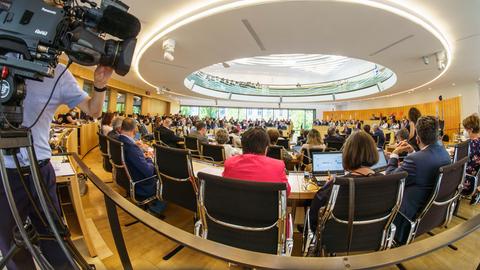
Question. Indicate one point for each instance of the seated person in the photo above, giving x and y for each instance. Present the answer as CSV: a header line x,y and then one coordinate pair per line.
x,y
116,127
237,143
167,135
422,168
302,139
378,133
107,123
221,136
358,156
471,125
332,136
140,165
314,140
142,128
70,118
253,164
200,132
346,130
273,135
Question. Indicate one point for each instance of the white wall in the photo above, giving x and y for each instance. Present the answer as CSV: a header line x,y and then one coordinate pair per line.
x,y
469,92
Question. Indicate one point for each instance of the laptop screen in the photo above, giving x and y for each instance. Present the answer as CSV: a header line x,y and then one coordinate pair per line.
x,y
325,162
382,161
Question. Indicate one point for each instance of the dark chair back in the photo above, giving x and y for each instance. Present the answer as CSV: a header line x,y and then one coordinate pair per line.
x,y
176,179
103,145
388,137
230,140
461,150
439,209
215,153
307,154
335,145
191,143
285,142
359,214
243,214
156,135
275,152
120,173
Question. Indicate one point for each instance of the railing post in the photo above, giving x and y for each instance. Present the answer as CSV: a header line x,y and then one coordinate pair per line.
x,y
117,233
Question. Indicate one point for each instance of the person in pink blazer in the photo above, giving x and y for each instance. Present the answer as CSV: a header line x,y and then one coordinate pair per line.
x,y
253,164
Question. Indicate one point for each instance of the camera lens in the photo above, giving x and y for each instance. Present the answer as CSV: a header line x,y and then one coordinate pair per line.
x,y
119,55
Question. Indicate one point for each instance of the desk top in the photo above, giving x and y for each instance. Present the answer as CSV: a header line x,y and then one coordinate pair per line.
x,y
298,191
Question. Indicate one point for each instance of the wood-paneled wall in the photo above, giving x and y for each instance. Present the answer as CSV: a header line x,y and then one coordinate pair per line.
x,y
451,108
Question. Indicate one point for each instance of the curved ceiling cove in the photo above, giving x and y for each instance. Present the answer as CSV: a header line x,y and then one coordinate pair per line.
x,y
295,51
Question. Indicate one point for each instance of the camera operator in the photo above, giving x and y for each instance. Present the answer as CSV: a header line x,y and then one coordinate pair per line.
x,y
67,92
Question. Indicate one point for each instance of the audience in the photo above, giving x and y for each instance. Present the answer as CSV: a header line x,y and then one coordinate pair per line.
x,y
422,168
358,156
236,137
167,136
273,135
333,138
413,116
378,133
253,165
107,123
221,137
471,125
116,127
140,165
200,132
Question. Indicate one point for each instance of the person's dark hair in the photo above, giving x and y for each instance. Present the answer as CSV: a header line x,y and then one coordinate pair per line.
x,y
359,150
273,135
128,124
200,125
414,114
331,131
107,119
255,141
427,129
367,128
472,122
235,130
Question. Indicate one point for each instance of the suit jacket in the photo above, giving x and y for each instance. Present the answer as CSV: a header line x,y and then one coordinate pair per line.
x,y
258,168
422,168
168,136
139,167
380,138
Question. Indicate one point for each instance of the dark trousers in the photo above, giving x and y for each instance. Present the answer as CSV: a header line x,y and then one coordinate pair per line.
x,y
50,249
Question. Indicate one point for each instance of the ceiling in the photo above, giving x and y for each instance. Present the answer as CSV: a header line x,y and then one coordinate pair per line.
x,y
317,27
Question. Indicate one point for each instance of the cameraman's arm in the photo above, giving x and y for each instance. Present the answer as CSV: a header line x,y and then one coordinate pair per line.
x,y
93,105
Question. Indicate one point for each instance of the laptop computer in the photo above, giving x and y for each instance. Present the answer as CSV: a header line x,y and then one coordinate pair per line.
x,y
324,163
382,162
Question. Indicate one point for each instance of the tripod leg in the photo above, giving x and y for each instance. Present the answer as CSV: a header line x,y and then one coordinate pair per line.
x,y
14,209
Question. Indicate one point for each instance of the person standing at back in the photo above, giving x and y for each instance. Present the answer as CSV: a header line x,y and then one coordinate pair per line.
x,y
253,164
422,168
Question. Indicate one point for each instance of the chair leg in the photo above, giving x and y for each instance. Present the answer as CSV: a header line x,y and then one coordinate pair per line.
x,y
173,252
131,223
401,266
451,246
461,217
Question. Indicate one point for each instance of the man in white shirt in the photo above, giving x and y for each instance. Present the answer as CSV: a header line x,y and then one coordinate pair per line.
x,y
67,92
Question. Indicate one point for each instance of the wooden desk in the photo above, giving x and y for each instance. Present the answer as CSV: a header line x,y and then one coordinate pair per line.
x,y
74,212
88,137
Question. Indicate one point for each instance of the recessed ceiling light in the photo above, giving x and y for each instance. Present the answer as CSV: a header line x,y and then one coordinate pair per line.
x,y
429,88
453,84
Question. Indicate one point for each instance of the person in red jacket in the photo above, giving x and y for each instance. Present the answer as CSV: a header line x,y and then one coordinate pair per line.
x,y
253,164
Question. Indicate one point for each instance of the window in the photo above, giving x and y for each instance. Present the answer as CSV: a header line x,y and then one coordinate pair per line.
x,y
299,117
120,102
137,104
88,87
105,102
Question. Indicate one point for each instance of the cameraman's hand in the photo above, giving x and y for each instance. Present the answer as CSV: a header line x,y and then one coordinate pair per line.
x,y
101,76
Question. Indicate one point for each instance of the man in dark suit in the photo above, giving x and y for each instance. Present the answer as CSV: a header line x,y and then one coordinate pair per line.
x,y
140,165
378,133
422,168
117,126
166,135
333,140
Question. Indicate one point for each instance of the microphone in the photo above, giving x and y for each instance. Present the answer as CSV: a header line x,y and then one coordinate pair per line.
x,y
119,23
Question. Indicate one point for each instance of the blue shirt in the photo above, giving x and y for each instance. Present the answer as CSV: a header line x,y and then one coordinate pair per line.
x,y
67,92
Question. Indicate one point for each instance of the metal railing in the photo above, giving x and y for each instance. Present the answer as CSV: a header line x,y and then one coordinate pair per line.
x,y
262,260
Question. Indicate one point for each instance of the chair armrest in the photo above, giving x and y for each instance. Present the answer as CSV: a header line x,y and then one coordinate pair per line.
x,y
405,217
289,238
143,180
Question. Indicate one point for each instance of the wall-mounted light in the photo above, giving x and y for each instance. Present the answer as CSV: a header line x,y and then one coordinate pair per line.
x,y
169,49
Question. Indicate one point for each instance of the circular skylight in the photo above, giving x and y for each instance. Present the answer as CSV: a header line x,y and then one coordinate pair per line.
x,y
280,76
